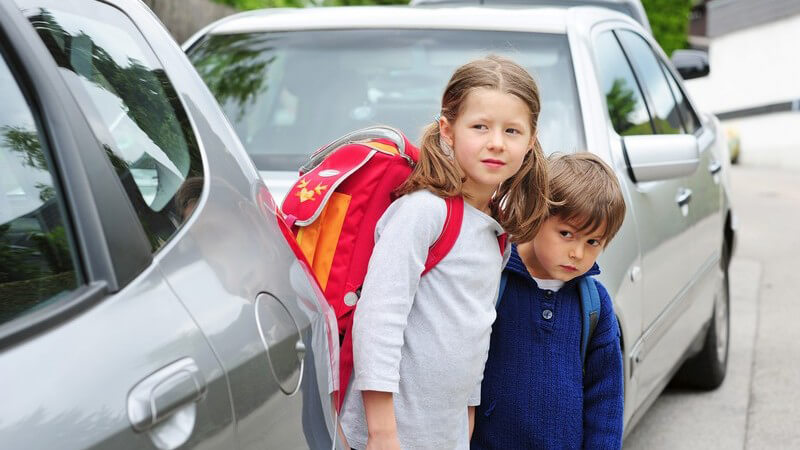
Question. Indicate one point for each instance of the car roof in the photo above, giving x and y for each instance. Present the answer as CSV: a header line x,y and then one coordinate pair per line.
x,y
542,19
633,8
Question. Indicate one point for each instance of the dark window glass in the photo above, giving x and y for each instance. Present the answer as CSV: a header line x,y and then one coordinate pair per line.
x,y
288,93
115,76
626,106
665,113
690,121
36,265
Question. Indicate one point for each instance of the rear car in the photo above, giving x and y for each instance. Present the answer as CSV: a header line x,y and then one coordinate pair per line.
x,y
292,80
148,295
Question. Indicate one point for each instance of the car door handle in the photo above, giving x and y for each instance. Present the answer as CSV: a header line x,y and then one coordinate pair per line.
x,y
714,167
164,392
684,197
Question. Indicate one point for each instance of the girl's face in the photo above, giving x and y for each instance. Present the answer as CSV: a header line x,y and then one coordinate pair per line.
x,y
490,138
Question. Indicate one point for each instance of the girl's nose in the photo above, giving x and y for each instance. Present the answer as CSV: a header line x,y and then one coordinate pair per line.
x,y
496,141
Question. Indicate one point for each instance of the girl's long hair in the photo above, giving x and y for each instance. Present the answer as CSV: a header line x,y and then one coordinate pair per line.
x,y
521,202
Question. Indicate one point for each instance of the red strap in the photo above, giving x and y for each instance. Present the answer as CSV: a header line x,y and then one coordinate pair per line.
x,y
345,363
450,231
503,241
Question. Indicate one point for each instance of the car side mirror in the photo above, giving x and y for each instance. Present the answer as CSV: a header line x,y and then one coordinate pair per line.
x,y
691,63
661,156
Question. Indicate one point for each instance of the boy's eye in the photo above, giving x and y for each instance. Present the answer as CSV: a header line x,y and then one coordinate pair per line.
x,y
565,233
480,127
594,242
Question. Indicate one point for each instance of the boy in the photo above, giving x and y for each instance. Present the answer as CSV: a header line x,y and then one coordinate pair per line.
x,y
537,393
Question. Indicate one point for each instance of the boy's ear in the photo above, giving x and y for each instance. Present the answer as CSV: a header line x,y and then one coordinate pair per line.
x,y
445,130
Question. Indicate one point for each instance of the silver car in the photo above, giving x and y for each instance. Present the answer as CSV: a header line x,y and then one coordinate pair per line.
x,y
148,295
291,81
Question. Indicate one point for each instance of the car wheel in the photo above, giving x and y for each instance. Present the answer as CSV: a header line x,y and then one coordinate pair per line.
x,y
706,370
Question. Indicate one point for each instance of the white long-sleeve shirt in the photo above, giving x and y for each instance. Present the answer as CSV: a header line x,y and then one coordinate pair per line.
x,y
425,339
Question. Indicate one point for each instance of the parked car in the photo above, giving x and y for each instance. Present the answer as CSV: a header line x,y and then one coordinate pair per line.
x,y
292,80
148,296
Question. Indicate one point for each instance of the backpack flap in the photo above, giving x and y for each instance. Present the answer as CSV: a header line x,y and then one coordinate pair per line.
x,y
310,194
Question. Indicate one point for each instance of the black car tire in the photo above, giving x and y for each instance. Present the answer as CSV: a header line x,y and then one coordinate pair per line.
x,y
706,370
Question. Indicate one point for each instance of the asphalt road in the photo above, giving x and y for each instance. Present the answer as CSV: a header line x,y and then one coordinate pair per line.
x,y
758,405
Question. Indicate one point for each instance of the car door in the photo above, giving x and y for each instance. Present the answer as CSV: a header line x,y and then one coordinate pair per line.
x,y
95,349
241,279
636,106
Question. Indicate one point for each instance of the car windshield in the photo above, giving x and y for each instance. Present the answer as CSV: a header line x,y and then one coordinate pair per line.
x,y
289,93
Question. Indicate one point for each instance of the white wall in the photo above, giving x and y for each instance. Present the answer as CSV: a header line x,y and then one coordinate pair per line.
x,y
754,67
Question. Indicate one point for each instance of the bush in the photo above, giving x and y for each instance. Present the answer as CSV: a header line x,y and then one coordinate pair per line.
x,y
670,22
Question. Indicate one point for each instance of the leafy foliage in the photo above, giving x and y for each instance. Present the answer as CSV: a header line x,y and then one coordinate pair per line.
x,y
232,67
670,22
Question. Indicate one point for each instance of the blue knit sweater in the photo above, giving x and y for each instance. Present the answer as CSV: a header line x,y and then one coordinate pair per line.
x,y
534,392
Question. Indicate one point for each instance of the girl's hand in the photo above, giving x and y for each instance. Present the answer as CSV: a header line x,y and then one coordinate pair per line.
x,y
381,422
383,441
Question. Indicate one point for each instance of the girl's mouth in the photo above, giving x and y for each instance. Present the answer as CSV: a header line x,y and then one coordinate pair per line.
x,y
493,163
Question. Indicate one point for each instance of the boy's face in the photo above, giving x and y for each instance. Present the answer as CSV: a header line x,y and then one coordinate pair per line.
x,y
562,252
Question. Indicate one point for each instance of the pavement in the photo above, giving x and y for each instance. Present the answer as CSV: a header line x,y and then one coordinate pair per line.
x,y
758,405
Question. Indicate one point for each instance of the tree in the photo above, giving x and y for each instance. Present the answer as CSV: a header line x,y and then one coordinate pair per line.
x,y
669,20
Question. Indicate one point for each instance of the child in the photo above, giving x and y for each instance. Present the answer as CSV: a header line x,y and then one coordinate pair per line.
x,y
420,343
537,392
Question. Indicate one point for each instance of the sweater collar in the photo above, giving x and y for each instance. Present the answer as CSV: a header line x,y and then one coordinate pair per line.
x,y
516,266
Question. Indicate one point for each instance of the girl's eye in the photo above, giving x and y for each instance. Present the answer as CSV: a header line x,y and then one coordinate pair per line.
x,y
480,127
512,131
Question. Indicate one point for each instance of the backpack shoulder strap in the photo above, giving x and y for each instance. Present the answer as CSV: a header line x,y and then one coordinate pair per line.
x,y
450,231
590,312
503,281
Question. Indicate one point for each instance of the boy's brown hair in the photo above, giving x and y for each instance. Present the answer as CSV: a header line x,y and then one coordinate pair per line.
x,y
520,203
585,193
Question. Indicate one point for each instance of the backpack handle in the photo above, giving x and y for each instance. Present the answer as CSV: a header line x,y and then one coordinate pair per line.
x,y
364,134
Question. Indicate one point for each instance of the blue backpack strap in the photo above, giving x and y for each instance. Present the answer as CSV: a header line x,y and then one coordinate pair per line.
x,y
503,281
590,311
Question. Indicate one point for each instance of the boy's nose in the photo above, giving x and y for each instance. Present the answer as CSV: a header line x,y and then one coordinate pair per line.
x,y
576,252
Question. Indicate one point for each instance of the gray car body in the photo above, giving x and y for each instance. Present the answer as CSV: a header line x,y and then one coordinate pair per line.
x,y
663,268
217,340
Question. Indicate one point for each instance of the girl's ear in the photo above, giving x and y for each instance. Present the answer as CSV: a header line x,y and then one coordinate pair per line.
x,y
446,130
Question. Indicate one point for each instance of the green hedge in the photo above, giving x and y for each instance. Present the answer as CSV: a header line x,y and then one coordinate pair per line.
x,y
670,22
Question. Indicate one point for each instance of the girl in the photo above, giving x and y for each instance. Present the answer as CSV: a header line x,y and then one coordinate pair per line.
x,y
420,343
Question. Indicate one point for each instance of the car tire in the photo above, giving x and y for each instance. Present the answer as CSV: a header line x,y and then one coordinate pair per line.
x,y
707,369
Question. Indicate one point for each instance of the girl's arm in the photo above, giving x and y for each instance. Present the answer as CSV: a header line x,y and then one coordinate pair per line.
x,y
471,415
381,423
403,236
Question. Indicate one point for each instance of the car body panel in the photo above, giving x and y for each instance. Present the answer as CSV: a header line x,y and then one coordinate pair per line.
x,y
227,293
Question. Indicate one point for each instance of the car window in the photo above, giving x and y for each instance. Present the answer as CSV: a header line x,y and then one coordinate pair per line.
x,y
289,93
36,259
626,107
115,77
690,121
666,117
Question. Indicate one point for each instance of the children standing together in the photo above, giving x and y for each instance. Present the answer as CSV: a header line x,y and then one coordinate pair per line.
x,y
433,357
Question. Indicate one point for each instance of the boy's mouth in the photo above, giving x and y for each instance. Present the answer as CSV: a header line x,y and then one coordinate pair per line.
x,y
569,268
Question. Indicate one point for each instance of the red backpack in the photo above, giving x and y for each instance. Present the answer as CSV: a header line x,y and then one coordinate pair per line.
x,y
333,208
